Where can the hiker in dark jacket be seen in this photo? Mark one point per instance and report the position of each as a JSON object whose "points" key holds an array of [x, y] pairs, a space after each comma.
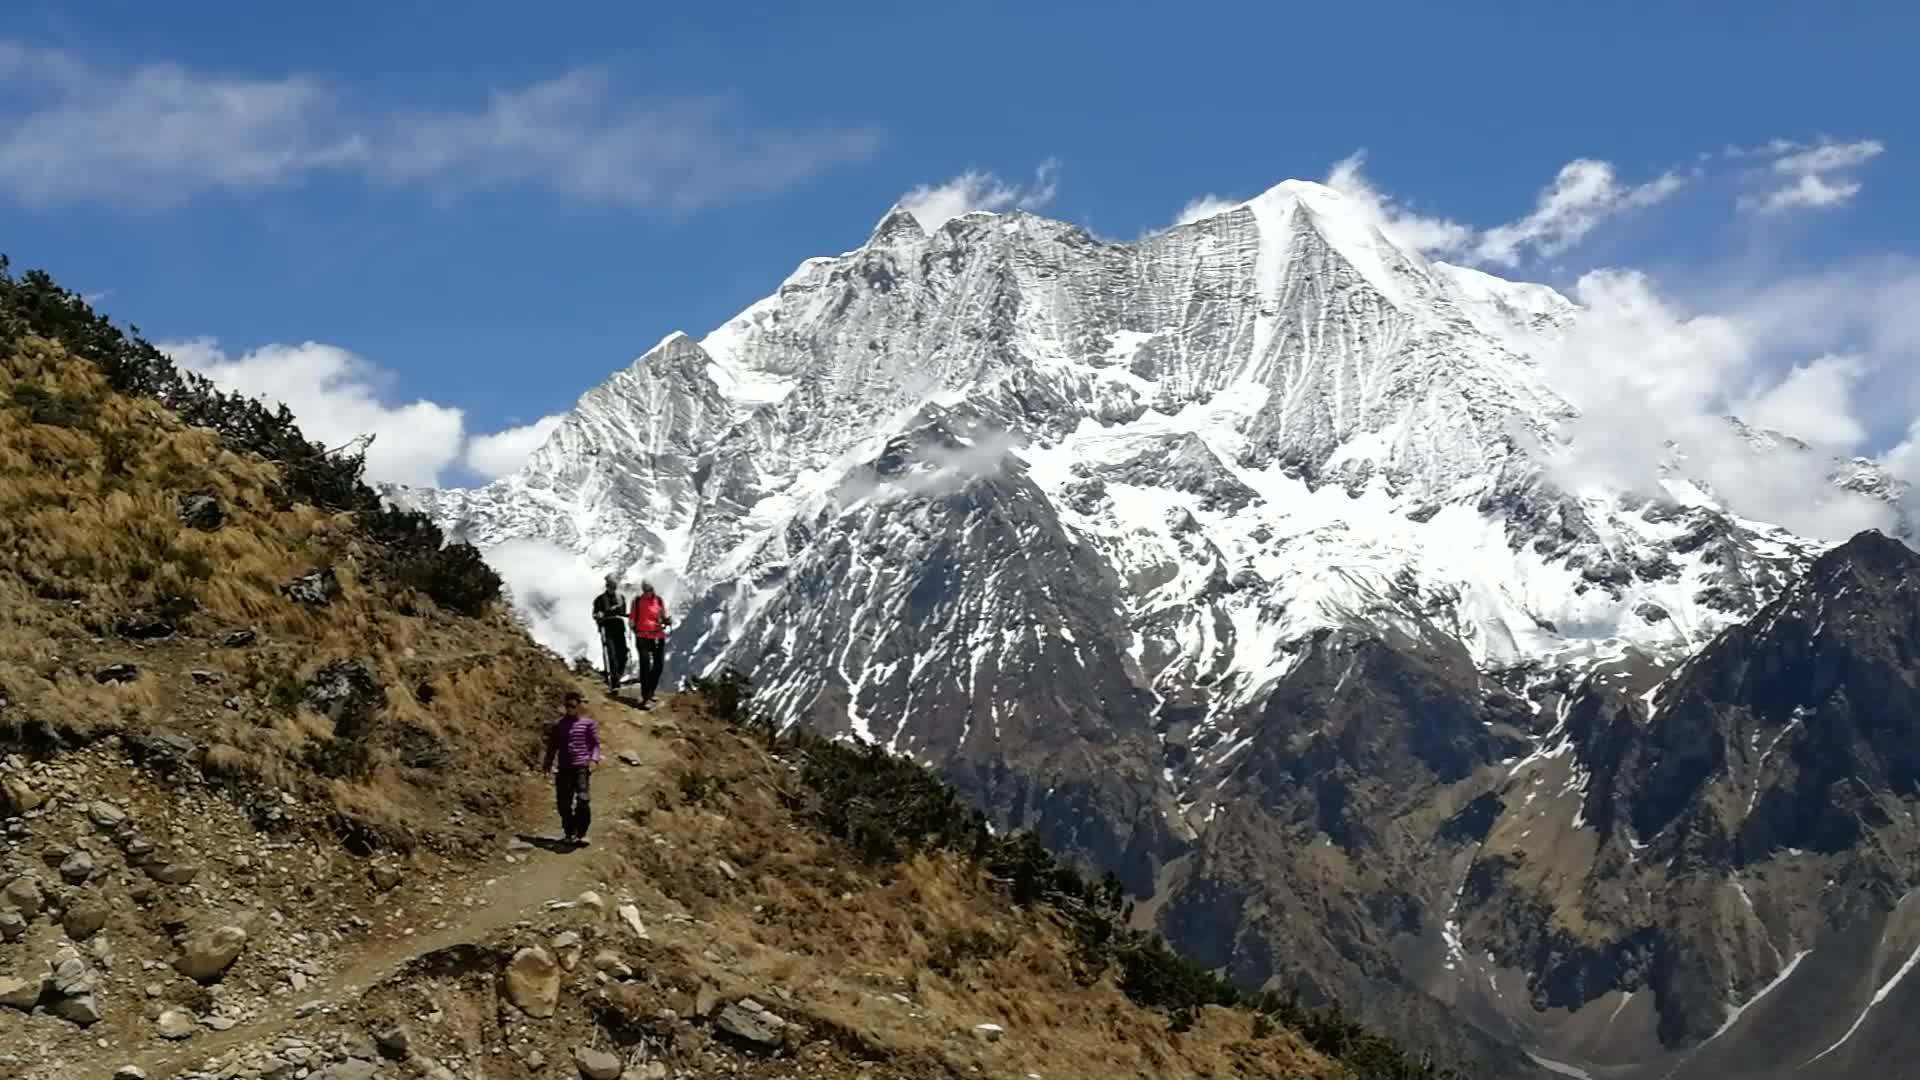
{"points": [[573, 745], [609, 614]]}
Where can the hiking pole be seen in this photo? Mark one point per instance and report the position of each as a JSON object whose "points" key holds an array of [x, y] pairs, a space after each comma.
{"points": [[606, 659]]}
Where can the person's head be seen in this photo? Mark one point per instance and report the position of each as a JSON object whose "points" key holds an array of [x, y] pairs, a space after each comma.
{"points": [[612, 583], [647, 587], [575, 701]]}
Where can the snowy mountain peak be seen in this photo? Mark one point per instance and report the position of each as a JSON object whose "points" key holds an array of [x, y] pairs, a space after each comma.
{"points": [[1264, 423]]}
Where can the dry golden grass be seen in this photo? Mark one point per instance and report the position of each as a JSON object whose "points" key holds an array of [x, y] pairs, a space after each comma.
{"points": [[90, 540], [802, 913]]}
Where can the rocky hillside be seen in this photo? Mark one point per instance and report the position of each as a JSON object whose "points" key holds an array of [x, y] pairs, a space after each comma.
{"points": [[270, 809], [1229, 559]]}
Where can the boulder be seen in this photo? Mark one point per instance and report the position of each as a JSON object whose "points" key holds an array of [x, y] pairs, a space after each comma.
{"points": [[209, 954], [23, 895], [85, 917], [756, 1026], [631, 916], [22, 994], [106, 815], [395, 1042], [706, 999], [129, 1072], [385, 878], [17, 796], [596, 1064], [81, 1009], [988, 1032], [176, 1024], [13, 926], [238, 639], [76, 867], [317, 587], [172, 873], [533, 983]]}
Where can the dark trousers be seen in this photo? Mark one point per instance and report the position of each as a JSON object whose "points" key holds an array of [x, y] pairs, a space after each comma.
{"points": [[615, 639], [653, 658], [571, 788]]}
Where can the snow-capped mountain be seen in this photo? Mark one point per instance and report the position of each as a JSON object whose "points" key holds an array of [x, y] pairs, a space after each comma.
{"points": [[1079, 522]]}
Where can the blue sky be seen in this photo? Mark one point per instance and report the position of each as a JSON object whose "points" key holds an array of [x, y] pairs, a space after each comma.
{"points": [[488, 212]]}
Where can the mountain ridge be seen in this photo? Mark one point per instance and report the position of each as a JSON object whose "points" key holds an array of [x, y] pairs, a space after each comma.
{"points": [[1064, 518]]}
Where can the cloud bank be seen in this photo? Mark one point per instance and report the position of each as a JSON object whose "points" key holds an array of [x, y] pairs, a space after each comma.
{"points": [[972, 191], [339, 397], [1808, 176], [159, 134], [1582, 195]]}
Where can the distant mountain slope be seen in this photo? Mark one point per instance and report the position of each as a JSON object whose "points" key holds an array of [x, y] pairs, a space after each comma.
{"points": [[1118, 536]]}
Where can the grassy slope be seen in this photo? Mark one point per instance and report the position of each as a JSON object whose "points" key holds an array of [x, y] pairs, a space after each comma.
{"points": [[91, 545]]}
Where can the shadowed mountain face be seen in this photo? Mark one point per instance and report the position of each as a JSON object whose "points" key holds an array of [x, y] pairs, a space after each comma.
{"points": [[1230, 561]]}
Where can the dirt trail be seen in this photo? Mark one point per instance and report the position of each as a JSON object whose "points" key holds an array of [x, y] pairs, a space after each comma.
{"points": [[511, 893]]}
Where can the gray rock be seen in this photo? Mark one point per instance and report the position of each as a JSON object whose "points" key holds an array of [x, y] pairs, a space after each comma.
{"points": [[596, 1064], [117, 673], [71, 975], [76, 868], [533, 982], [395, 1042], [22, 994], [106, 815], [129, 1072], [238, 639], [85, 917], [17, 796], [201, 512], [209, 954], [317, 587], [276, 1068], [13, 926], [385, 878], [761, 1028], [348, 1070], [988, 1032], [23, 895], [176, 1024], [81, 1009], [173, 873]]}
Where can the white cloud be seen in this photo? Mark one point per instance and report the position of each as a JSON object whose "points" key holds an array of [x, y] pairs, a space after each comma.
{"points": [[972, 191], [1808, 175], [1643, 371], [159, 133], [339, 397], [552, 590], [498, 454], [1427, 235], [1582, 195], [1202, 208], [1814, 402]]}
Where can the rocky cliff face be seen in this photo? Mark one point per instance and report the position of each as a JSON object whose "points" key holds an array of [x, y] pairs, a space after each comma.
{"points": [[1229, 560]]}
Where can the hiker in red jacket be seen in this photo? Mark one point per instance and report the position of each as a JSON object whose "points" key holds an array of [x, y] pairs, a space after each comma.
{"points": [[573, 745], [650, 622]]}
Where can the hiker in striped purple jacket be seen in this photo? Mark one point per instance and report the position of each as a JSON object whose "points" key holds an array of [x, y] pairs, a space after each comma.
{"points": [[573, 744]]}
